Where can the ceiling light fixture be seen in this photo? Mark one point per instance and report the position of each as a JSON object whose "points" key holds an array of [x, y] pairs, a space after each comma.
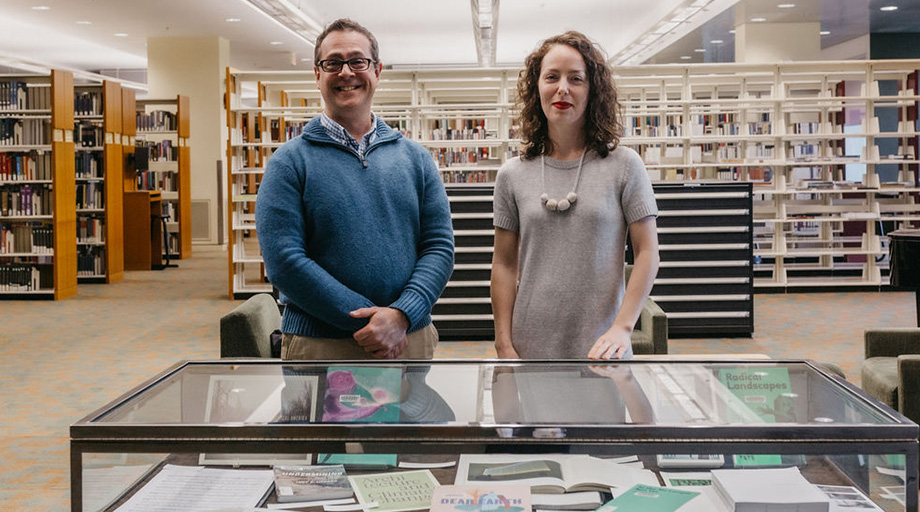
{"points": [[687, 16], [288, 17], [685, 57], [275, 43], [232, 20], [716, 41], [825, 32], [120, 34], [700, 50], [889, 8], [41, 8], [786, 6], [758, 20], [84, 22], [732, 31]]}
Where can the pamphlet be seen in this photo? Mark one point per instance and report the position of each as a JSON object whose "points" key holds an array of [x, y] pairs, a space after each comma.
{"points": [[552, 474], [311, 483], [395, 491], [481, 498], [364, 394], [649, 498]]}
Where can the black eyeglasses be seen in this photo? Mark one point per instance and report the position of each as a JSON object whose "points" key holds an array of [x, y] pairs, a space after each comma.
{"points": [[335, 65]]}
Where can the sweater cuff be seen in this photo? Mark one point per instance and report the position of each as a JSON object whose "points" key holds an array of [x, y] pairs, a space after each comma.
{"points": [[414, 306]]}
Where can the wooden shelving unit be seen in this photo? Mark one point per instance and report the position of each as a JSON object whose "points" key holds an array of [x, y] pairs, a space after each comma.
{"points": [[98, 169], [37, 187], [163, 126]]}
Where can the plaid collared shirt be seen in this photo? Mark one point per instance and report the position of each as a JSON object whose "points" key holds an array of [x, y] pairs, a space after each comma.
{"points": [[341, 135]]}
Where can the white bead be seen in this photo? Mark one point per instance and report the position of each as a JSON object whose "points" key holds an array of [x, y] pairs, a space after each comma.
{"points": [[563, 205], [544, 197], [551, 205], [572, 197]]}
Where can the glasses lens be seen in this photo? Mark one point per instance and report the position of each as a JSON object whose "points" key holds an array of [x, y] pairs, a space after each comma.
{"points": [[358, 64], [331, 66]]}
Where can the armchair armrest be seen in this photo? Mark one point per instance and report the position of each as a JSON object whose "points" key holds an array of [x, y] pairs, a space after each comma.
{"points": [[909, 386], [892, 342], [653, 318]]}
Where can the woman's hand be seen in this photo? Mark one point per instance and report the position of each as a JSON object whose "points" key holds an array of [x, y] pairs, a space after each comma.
{"points": [[613, 344], [505, 350]]}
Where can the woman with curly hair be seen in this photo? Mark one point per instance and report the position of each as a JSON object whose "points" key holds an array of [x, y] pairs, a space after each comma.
{"points": [[562, 212]]}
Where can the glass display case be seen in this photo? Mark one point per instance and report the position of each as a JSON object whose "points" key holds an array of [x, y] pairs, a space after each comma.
{"points": [[667, 417]]}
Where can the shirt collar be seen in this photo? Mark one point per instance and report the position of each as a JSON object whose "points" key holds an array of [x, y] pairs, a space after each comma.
{"points": [[341, 135]]}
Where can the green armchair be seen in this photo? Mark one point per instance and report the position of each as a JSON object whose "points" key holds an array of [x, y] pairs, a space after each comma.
{"points": [[891, 371], [650, 336], [246, 331]]}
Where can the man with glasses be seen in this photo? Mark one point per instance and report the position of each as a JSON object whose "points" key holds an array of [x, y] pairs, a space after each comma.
{"points": [[353, 221]]}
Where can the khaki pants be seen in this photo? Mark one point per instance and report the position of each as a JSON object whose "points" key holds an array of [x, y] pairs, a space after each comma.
{"points": [[421, 346]]}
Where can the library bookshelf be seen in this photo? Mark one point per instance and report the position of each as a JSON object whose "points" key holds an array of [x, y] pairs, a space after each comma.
{"points": [[162, 127], [98, 168], [829, 148], [38, 222]]}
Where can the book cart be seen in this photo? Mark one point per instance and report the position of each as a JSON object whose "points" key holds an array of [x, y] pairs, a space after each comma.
{"points": [[38, 226], [98, 168], [256, 412]]}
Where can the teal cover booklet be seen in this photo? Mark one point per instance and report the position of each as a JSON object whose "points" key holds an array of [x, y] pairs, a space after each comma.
{"points": [[362, 394], [648, 498]]}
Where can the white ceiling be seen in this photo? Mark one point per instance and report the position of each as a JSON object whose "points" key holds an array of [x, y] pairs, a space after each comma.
{"points": [[410, 32]]}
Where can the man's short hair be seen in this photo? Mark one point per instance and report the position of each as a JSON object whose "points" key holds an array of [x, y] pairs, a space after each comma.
{"points": [[343, 25]]}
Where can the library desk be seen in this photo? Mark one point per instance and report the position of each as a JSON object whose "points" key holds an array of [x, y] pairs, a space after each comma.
{"points": [[143, 234], [255, 412]]}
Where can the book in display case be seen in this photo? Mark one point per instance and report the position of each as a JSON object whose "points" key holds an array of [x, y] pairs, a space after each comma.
{"points": [[161, 149], [98, 167], [595, 427], [38, 223]]}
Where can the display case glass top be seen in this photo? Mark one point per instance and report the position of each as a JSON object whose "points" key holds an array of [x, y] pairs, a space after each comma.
{"points": [[484, 397]]}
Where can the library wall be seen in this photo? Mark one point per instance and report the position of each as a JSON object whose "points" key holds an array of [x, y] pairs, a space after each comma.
{"points": [[194, 67], [777, 42]]}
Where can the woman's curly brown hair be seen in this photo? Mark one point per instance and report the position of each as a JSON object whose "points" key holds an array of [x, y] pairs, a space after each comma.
{"points": [[602, 118]]}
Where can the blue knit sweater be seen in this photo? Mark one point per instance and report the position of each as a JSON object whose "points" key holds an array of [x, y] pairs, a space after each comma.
{"points": [[340, 232]]}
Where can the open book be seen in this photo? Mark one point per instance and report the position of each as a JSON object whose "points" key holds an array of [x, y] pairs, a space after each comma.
{"points": [[552, 474]]}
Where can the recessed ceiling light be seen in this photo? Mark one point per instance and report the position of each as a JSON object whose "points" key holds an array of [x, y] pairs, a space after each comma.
{"points": [[758, 20], [685, 57], [120, 34], [786, 6], [41, 8], [732, 31], [276, 42], [700, 50], [716, 41], [232, 20], [825, 32], [887, 8], [84, 22]]}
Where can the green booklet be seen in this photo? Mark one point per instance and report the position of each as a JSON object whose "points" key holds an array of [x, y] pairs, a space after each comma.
{"points": [[362, 394], [649, 498], [765, 391]]}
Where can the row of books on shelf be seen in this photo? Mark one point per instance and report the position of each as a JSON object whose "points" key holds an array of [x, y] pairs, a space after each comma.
{"points": [[26, 239], [170, 209], [448, 156], [459, 129], [91, 195], [34, 165], [162, 151], [26, 278], [24, 132], [90, 261], [25, 200], [88, 164], [486, 483], [156, 121], [167, 181], [17, 95], [468, 176], [90, 230], [87, 103], [88, 135]]}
